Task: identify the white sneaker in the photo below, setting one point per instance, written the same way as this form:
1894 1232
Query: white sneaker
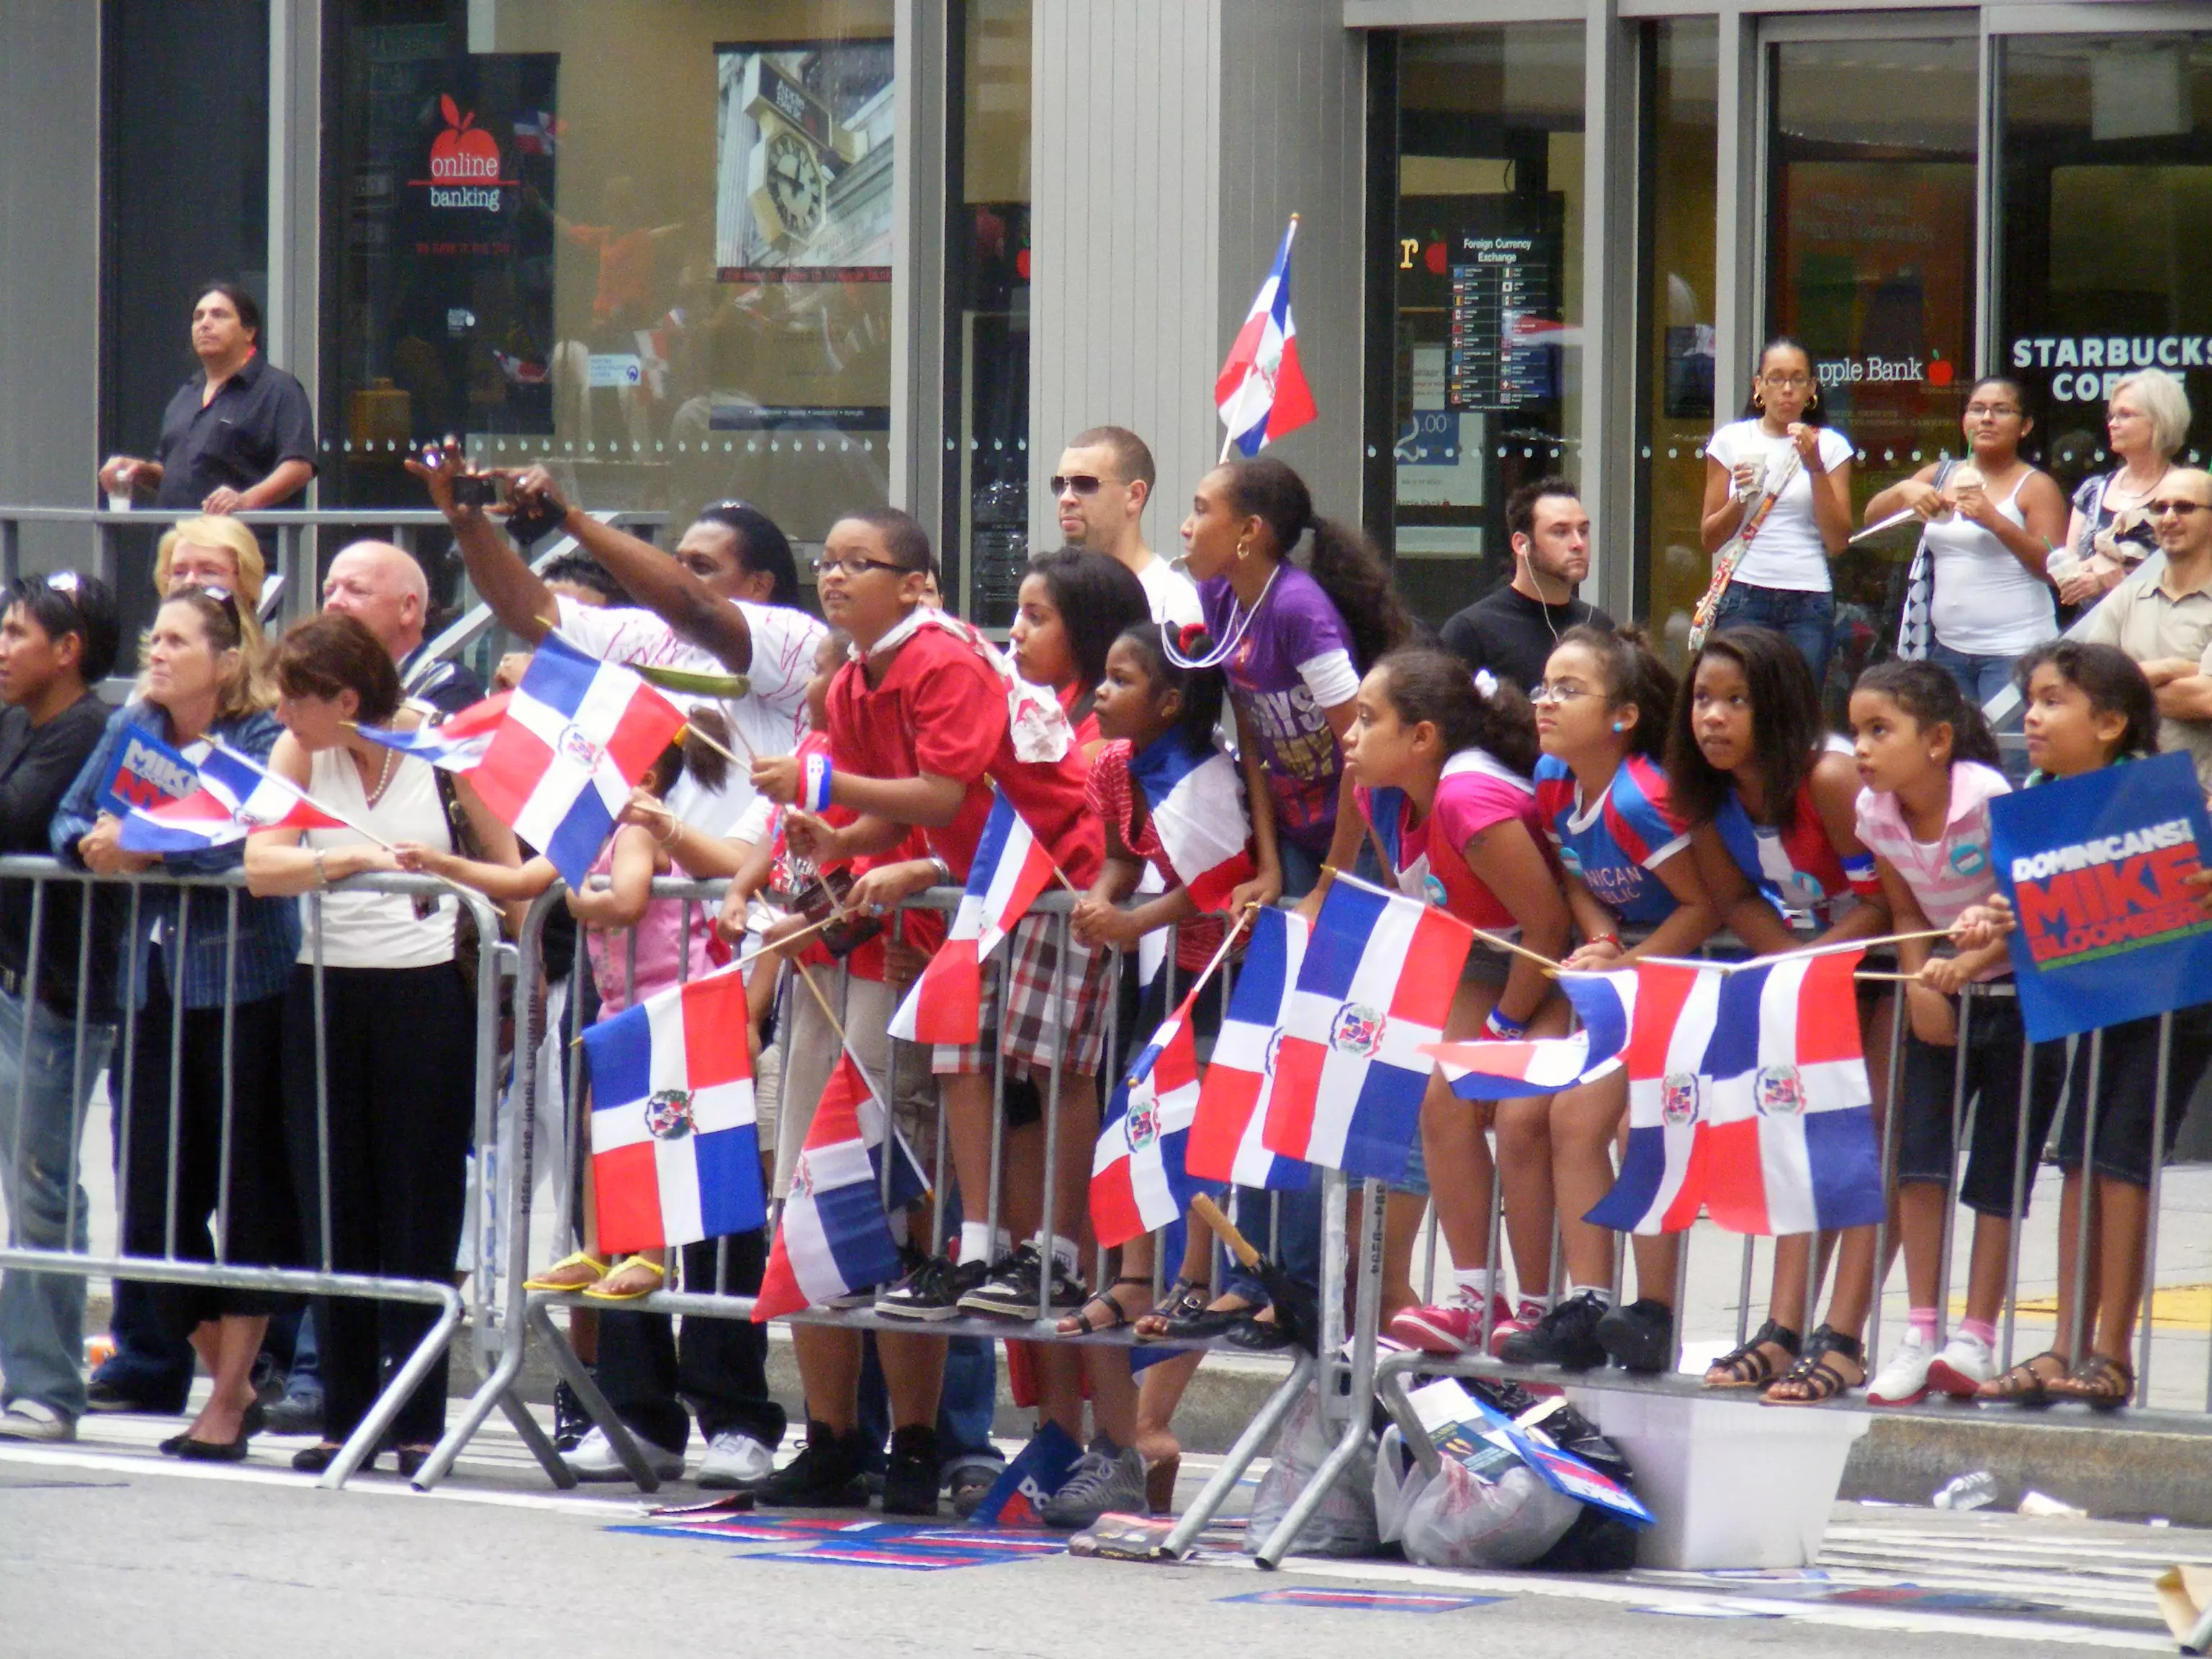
1904 1380
1964 1365
734 1461
594 1459
27 1420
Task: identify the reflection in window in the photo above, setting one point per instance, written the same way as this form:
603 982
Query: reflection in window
2107 212
1489 295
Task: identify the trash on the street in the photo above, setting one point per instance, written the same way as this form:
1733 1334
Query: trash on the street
2044 1506
1968 1491
2185 1598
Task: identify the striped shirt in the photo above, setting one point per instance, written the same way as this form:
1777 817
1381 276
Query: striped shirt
1954 870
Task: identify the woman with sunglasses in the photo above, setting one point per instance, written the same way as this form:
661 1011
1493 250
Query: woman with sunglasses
1782 581
180 964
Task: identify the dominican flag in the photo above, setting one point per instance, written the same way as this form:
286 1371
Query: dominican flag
835 1238
1262 391
458 742
1137 1179
1197 801
236 796
674 1152
1012 867
1225 1142
523 371
578 733
1541 1065
1747 1098
1376 987
538 133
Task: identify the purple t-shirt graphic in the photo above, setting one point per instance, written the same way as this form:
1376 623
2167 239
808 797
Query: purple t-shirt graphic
1293 662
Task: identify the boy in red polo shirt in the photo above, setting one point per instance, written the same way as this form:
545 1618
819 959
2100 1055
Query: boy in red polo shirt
919 734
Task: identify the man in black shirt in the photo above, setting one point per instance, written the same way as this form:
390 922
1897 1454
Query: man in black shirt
1512 632
237 436
60 632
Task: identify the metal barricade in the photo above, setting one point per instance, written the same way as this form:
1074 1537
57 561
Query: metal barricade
108 912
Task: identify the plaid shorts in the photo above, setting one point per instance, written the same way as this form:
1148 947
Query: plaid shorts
1035 1025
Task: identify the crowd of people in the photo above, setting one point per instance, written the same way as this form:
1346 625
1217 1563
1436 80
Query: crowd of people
291 1094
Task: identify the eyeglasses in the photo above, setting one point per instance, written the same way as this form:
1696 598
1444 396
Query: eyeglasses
852 569
1564 691
1785 382
733 505
2178 509
1973 410
1080 483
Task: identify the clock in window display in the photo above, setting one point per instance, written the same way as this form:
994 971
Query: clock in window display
789 187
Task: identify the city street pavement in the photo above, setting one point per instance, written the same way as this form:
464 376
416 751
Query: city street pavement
105 1546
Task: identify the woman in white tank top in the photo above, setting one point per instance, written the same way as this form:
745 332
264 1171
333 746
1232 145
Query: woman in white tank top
379 1068
1990 527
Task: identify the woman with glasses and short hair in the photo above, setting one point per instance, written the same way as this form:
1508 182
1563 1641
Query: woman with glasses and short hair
2109 533
1782 581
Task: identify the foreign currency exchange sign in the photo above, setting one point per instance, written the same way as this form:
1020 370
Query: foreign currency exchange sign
2095 866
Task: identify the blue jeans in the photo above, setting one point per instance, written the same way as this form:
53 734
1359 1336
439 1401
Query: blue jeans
1807 619
1979 678
42 1314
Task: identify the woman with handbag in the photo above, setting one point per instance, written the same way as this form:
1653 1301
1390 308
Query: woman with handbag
1778 507
2108 533
1992 522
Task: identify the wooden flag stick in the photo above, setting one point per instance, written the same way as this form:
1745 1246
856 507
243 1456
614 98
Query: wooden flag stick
694 732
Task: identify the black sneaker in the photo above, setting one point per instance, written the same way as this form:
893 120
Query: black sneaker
1640 1337
825 1476
571 1422
1566 1337
911 1262
932 1291
910 1479
1010 1291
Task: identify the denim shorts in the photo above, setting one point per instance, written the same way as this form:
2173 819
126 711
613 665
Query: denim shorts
1988 1090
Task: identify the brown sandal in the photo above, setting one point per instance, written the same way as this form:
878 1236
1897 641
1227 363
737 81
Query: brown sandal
2099 1382
1814 1378
1748 1367
2024 1385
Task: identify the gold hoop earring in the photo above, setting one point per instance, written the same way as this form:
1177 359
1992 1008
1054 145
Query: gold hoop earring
1244 551
1758 400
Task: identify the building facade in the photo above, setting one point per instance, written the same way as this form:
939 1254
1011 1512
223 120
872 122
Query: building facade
815 252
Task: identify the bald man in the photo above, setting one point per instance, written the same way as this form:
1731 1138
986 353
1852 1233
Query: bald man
385 589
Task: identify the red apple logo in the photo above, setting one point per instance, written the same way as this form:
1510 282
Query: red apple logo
1433 256
463 151
1939 370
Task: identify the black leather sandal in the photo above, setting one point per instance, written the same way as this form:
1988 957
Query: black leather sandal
1747 1367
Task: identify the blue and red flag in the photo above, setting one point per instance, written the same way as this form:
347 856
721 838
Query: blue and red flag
1138 1180
1747 1099
236 796
1262 391
1012 867
675 1148
459 743
1485 1070
537 132
1227 1139
578 733
1196 797
834 1237
1376 986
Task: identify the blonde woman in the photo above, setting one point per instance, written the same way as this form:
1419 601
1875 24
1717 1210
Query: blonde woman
2146 422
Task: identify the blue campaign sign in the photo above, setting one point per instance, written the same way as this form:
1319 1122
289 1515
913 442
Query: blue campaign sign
148 773
2095 868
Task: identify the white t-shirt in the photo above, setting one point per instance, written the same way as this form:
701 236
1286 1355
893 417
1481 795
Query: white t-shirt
1172 595
1787 553
768 718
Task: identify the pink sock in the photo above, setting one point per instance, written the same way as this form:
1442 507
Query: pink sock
1922 1321
1986 1329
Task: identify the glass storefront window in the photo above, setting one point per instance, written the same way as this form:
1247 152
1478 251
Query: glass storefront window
985 540
648 246
1681 158
2107 189
1488 300
1871 263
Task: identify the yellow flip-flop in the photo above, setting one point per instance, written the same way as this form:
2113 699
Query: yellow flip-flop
581 1258
599 1294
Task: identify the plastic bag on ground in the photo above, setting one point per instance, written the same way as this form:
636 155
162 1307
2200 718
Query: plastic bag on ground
1344 1523
1503 1516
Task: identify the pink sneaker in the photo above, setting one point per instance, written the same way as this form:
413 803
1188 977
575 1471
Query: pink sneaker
1527 1317
1450 1327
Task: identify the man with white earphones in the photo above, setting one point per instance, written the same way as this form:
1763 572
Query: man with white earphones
1512 631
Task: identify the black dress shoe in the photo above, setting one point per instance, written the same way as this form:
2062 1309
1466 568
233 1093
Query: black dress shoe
174 1445
313 1460
1257 1335
410 1458
214 1451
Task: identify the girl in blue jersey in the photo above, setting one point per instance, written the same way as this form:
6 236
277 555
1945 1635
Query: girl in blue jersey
1602 713
1773 805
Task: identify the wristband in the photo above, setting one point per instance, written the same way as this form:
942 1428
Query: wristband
814 786
1502 1030
1613 940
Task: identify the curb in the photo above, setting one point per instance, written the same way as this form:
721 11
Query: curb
2115 1473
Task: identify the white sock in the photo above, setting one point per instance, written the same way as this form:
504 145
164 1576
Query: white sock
1604 1296
900 1230
1478 1284
1063 1251
975 1241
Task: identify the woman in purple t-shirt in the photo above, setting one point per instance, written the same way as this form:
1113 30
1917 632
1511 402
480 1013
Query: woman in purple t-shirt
1293 641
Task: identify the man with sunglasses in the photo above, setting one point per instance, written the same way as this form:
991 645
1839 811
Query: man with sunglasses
1105 480
2163 618
59 636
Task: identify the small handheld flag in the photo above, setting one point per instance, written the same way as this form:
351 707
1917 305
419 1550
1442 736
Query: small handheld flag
1262 391
1137 1182
835 1238
675 1149
1012 867
458 742
237 795
1225 1140
1542 1066
1197 802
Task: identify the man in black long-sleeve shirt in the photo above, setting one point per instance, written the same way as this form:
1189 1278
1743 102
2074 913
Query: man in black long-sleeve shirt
60 633
1511 631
